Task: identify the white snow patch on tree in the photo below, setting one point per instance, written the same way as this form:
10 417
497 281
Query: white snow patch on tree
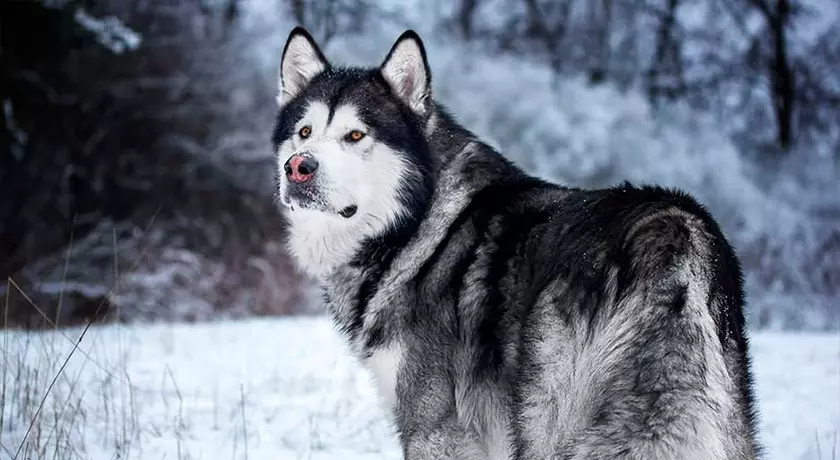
110 32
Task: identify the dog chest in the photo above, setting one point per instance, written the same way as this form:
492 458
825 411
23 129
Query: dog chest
384 364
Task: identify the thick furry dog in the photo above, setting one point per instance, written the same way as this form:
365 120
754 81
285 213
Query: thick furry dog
504 316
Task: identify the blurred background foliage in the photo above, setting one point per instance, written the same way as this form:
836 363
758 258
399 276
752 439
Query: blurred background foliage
136 170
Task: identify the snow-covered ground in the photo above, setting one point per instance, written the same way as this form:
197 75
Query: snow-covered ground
286 389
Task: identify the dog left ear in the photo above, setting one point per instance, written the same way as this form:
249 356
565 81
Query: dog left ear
407 72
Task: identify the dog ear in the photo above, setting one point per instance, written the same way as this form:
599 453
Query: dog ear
406 70
302 60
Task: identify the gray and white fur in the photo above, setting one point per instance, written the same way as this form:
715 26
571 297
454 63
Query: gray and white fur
503 316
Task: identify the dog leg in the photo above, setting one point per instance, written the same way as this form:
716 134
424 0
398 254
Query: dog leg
427 418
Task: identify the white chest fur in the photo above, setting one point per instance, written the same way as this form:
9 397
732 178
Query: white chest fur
384 365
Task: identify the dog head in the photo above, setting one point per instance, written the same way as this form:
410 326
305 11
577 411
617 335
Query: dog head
352 160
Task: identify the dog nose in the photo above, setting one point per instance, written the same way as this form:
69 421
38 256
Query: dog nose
300 167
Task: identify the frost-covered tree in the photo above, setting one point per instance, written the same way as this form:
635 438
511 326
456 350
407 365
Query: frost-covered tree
747 59
133 178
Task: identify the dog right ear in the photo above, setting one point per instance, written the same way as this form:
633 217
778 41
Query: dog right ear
302 60
407 72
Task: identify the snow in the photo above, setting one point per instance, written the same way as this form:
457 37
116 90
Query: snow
12 127
287 389
110 32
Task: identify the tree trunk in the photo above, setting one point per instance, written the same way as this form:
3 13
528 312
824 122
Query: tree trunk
667 52
466 13
597 48
780 69
784 87
298 11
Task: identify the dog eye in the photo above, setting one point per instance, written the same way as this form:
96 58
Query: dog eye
354 136
305 132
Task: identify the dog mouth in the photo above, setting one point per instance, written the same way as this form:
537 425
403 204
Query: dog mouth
308 199
346 212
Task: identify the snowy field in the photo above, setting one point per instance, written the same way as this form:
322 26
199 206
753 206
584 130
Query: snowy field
286 389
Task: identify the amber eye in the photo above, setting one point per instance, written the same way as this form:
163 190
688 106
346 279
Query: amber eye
354 136
305 132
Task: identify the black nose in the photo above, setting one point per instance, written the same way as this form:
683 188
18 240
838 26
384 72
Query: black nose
300 167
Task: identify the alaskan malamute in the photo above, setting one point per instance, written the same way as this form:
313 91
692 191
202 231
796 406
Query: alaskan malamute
503 316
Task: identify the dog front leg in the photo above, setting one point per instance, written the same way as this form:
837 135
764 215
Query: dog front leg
428 421
444 441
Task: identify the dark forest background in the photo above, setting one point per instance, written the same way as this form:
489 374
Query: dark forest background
136 171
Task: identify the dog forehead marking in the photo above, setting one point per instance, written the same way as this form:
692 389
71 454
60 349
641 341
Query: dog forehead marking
327 123
316 115
345 118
